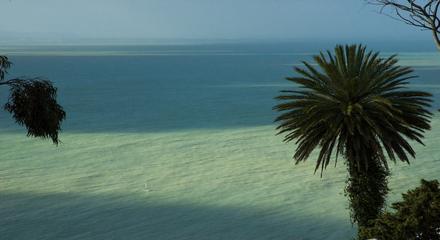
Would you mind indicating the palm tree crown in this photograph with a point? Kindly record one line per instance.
(358, 106)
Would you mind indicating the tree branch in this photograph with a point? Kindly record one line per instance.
(411, 12)
(423, 14)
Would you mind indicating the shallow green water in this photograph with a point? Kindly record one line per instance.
(165, 152)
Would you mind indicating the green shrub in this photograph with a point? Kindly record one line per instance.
(417, 216)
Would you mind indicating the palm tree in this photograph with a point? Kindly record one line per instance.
(32, 103)
(356, 105)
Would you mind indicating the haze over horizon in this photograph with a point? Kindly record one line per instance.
(67, 21)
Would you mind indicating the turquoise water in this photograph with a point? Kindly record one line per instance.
(177, 142)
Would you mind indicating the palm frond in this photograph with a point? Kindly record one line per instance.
(354, 99)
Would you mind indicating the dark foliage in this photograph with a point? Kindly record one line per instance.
(5, 64)
(32, 103)
(355, 105)
(417, 216)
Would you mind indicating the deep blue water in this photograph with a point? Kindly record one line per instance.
(165, 88)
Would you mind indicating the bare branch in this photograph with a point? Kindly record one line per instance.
(423, 14)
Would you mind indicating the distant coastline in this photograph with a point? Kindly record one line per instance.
(14, 40)
(197, 47)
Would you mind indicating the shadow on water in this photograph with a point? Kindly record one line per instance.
(68, 216)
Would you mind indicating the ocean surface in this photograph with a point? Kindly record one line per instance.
(178, 142)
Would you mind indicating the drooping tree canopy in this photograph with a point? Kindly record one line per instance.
(423, 14)
(32, 103)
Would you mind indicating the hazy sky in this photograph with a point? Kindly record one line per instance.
(216, 19)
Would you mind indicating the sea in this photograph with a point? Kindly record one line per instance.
(177, 141)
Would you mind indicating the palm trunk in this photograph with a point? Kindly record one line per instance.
(367, 186)
(367, 191)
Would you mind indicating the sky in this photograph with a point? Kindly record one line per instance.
(199, 19)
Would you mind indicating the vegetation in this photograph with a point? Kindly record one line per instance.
(32, 103)
(357, 106)
(423, 14)
(416, 217)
